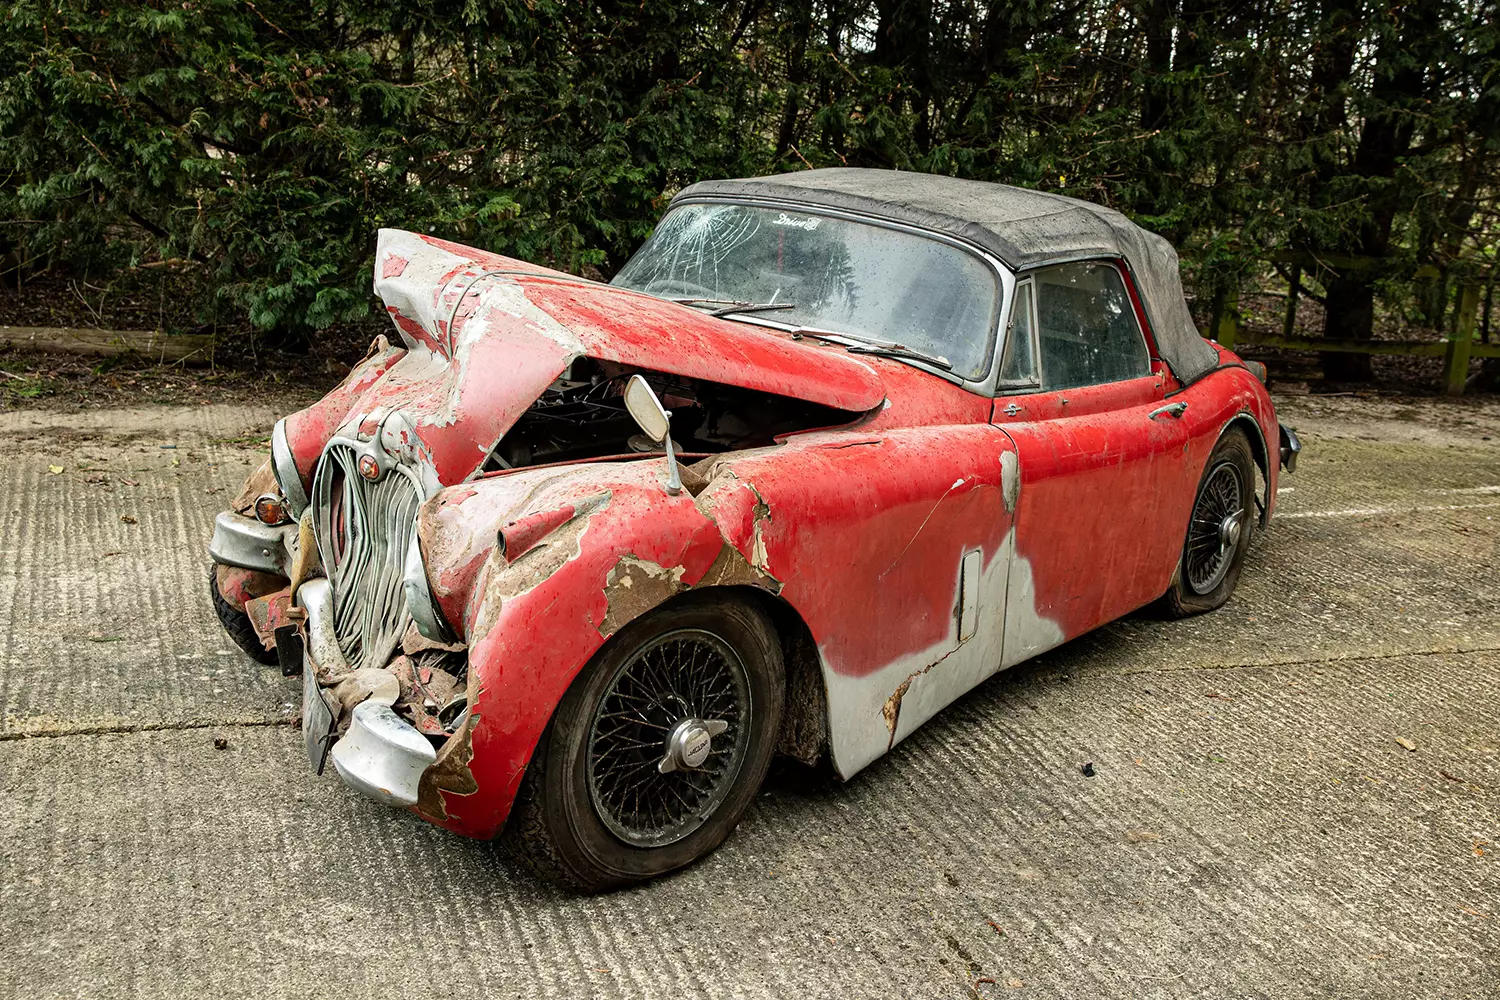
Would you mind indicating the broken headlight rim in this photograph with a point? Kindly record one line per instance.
(271, 508)
(420, 603)
(284, 467)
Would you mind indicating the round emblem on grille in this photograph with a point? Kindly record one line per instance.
(369, 468)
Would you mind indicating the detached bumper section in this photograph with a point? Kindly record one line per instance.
(1291, 447)
(381, 755)
(246, 543)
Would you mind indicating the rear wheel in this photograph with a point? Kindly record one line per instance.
(237, 623)
(657, 749)
(1219, 530)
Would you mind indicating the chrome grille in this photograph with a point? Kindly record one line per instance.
(364, 529)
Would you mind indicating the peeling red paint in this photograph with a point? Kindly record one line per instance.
(1071, 507)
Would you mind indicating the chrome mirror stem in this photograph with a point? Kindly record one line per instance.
(674, 481)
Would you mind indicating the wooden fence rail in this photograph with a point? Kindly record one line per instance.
(1456, 349)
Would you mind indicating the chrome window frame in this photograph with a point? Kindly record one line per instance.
(1006, 279)
(1028, 276)
(1024, 286)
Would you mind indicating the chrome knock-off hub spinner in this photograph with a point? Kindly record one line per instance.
(690, 744)
(1229, 529)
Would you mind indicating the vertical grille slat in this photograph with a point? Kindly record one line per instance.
(363, 531)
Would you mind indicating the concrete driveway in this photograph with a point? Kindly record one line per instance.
(1252, 828)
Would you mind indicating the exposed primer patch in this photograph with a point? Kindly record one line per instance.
(1010, 480)
(872, 712)
(506, 581)
(761, 514)
(731, 569)
(891, 710)
(449, 773)
(634, 586)
(262, 480)
(1028, 631)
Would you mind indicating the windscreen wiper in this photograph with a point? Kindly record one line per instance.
(897, 351)
(749, 307)
(867, 345)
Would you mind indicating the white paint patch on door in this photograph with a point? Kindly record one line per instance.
(869, 715)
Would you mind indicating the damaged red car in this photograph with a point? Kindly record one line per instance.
(571, 561)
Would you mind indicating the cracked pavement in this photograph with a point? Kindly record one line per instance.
(1251, 828)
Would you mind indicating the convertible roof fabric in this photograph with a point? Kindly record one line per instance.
(1023, 228)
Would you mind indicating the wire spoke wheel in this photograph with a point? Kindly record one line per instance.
(669, 737)
(1214, 534)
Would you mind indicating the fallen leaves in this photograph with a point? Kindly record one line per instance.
(1404, 742)
(129, 519)
(55, 470)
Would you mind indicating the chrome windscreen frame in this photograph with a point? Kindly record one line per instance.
(1005, 278)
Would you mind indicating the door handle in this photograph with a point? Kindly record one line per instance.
(1175, 409)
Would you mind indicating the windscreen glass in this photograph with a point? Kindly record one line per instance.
(833, 274)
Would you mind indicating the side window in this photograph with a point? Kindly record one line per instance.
(1086, 327)
(1019, 365)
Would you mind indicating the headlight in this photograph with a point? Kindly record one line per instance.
(419, 601)
(285, 469)
(270, 508)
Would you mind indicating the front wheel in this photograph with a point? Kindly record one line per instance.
(237, 624)
(656, 750)
(1218, 534)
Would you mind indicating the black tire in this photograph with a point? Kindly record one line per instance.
(562, 824)
(1201, 583)
(237, 623)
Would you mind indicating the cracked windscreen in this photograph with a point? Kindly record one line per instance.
(802, 269)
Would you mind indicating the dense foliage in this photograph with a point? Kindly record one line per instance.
(258, 145)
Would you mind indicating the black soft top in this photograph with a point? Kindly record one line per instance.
(1023, 228)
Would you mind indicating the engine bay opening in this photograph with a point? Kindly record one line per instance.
(582, 416)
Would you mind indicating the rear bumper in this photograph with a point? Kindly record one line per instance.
(1291, 447)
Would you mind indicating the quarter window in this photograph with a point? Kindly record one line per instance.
(1019, 366)
(1087, 327)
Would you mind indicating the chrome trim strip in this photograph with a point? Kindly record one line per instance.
(284, 466)
(248, 544)
(420, 604)
(322, 641)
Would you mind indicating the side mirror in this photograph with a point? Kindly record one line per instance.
(655, 422)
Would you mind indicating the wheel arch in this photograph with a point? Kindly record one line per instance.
(804, 716)
(1245, 421)
(804, 720)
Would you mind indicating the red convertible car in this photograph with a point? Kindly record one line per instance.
(572, 561)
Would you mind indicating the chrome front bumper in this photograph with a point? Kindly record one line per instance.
(381, 755)
(247, 543)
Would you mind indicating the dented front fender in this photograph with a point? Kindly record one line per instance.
(597, 546)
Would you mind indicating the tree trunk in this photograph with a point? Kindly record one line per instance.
(1383, 142)
(799, 29)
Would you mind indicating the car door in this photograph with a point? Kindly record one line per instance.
(1098, 444)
